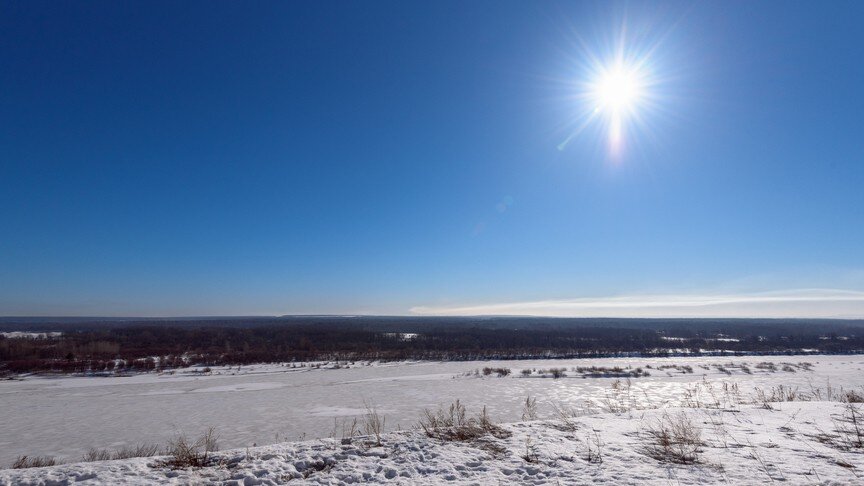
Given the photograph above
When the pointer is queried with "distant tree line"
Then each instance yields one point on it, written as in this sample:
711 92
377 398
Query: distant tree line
149 345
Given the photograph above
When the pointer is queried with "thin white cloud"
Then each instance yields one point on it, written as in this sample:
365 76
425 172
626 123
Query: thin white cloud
812 303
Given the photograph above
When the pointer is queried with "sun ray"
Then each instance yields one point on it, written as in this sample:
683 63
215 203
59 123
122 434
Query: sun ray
617 90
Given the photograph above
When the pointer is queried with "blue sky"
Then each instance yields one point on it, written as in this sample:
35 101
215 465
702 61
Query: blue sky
228 158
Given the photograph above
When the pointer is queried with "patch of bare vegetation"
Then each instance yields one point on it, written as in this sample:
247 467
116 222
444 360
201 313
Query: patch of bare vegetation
767 366
595 448
684 369
848 433
566 415
707 394
619 398
851 396
777 394
588 372
610 372
94 455
489 371
723 369
781 393
139 450
553 373
25 462
499 372
454 424
373 424
346 429
849 428
675 439
185 453
530 454
529 408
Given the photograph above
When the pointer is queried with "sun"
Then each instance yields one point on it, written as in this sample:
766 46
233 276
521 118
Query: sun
617 89
616 92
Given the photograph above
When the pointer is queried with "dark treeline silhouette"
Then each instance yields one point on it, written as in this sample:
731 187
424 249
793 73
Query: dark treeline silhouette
117 346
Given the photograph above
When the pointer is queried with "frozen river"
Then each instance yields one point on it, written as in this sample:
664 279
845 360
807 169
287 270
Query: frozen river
66 416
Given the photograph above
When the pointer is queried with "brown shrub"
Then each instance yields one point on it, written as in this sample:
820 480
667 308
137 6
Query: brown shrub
453 424
674 439
185 453
24 462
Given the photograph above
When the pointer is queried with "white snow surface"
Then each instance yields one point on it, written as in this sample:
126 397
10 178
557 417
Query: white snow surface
65 416
741 445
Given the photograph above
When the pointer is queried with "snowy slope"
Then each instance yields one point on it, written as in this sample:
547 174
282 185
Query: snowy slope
793 442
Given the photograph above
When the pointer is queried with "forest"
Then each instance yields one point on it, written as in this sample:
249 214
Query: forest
104 346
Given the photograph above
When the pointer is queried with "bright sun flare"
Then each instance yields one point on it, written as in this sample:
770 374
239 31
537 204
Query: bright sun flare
617 89
616 94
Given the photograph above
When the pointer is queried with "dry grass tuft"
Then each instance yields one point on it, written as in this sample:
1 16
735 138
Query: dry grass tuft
530 455
453 424
852 396
25 462
674 439
595 448
139 450
529 408
184 453
94 455
850 427
373 424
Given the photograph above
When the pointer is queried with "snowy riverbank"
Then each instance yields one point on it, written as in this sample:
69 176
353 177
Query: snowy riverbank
795 442
64 417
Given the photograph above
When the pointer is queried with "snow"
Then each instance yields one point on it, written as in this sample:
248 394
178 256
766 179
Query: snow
741 445
33 335
240 387
264 404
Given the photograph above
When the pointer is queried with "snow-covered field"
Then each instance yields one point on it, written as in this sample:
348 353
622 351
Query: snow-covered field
742 445
267 404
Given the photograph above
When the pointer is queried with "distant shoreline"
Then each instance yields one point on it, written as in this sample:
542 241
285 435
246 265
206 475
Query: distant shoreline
135 346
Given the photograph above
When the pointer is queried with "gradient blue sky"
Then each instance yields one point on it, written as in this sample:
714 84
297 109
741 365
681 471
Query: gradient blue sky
218 158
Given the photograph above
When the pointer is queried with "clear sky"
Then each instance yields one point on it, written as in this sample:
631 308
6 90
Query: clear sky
236 158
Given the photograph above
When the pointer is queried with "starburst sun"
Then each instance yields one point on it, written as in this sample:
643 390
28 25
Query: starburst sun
617 89
616 93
